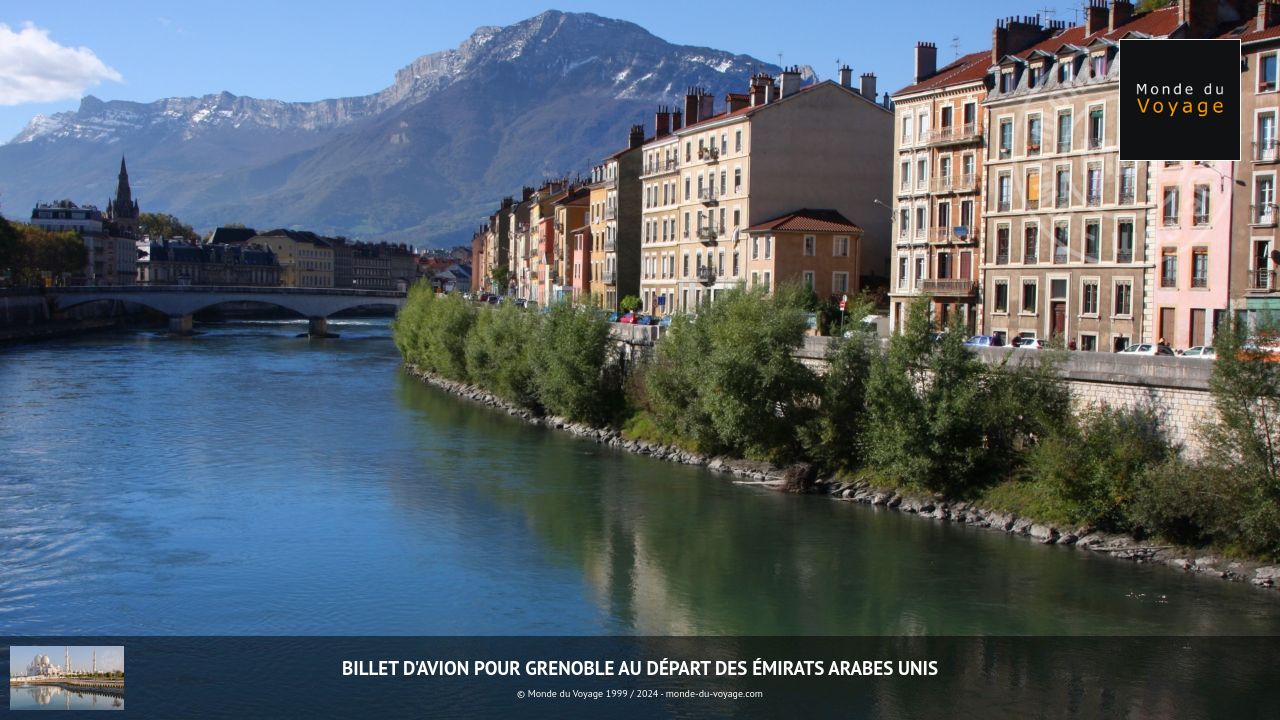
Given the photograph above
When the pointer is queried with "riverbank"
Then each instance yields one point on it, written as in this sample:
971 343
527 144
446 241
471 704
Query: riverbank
935 507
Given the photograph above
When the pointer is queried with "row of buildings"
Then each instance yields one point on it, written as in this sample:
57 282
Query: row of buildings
777 183
1016 213
120 254
1004 195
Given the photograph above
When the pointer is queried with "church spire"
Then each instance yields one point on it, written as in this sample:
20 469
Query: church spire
123 209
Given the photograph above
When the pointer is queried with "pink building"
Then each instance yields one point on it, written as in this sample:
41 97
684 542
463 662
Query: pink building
581 267
1191 250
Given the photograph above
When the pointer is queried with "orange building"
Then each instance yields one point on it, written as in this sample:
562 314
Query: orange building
819 248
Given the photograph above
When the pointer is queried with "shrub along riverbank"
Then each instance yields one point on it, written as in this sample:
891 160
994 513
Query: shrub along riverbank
922 416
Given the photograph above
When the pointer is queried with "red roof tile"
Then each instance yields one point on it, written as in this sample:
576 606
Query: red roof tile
966 69
807 220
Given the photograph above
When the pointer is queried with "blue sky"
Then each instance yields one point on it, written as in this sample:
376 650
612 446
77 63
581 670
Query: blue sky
51 54
109 657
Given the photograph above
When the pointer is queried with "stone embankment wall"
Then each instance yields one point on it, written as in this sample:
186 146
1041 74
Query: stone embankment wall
1176 388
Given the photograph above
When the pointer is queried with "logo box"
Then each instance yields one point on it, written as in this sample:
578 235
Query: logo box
1179 99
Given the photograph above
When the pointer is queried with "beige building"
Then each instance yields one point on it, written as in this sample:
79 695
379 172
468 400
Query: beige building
937 179
1255 287
305 259
593 274
776 149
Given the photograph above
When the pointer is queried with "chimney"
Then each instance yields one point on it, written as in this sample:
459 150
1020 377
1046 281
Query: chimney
735 101
758 83
1095 16
1015 34
770 92
636 139
1268 14
1121 11
926 60
691 106
1200 17
706 104
662 122
790 81
677 121
846 76
868 88
526 193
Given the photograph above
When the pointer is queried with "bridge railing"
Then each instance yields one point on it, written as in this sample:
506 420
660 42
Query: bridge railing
237 289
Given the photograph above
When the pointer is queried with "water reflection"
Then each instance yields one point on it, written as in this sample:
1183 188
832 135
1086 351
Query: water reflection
249 482
57 697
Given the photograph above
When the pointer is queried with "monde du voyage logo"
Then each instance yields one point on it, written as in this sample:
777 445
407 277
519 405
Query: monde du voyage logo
1180 100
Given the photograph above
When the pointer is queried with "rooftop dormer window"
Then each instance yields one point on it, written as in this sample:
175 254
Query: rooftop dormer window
1099 64
1064 70
1006 81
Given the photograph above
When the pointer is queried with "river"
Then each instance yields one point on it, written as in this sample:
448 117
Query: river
249 482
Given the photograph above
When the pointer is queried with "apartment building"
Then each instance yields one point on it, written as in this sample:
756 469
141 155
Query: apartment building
305 259
659 180
595 235
774 150
518 244
622 219
937 179
1192 249
570 210
819 248
1255 251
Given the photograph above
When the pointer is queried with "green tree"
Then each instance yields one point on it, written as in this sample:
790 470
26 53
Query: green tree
569 364
630 303
163 225
836 437
501 276
499 353
446 322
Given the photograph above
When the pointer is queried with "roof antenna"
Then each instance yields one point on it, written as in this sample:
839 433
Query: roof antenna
955 45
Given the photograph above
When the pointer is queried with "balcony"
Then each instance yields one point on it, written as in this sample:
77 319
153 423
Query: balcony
1005 153
609 277
709 233
1261 280
706 274
1124 255
710 154
1265 152
610 212
1064 146
1199 281
1061 201
948 235
1095 143
951 288
1002 258
1126 196
1201 219
1263 214
1060 256
1030 256
1093 200
1032 203
953 135
708 196
1033 149
610 244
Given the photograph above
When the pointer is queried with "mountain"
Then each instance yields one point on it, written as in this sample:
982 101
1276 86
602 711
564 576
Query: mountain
421 161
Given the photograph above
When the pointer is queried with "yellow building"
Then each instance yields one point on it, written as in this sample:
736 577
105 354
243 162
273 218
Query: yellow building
305 259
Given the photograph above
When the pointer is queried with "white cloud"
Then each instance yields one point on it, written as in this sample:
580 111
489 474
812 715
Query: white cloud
34 68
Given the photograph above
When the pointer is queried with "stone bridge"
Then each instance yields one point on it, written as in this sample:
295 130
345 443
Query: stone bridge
180 302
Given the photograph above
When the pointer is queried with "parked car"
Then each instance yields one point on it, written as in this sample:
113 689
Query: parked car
628 319
1028 343
645 320
664 321
984 341
1148 349
614 317
494 299
1205 352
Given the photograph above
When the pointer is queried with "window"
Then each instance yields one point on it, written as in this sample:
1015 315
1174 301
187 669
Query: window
737 217
1092 240
1265 200
737 141
1006 138
737 180
1002 296
766 281
1033 75
906 129
1064 132
966 215
1096 132
922 173
1128 183
1002 245
686 187
1265 138
755 248
1124 241
1062 193
905 182
1170 206
810 245
1064 71
1124 298
686 264
1168 268
735 263
1267 72
944 170
1032 200
839 283
902 271
840 246
1093 185
1200 268
1029 290
1089 297
768 247
808 279
944 266
1088 342
1033 135
919 269
944 217
1099 63
1031 244
904 222
1202 205
1006 81
922 221
1004 190
970 116
1061 243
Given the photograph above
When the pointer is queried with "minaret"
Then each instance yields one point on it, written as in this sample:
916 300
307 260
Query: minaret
95 661
66 660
